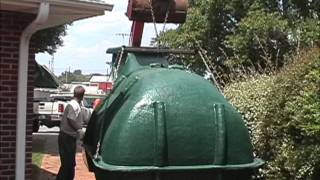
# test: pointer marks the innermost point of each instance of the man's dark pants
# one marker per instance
(67, 151)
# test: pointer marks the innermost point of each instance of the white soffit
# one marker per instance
(61, 11)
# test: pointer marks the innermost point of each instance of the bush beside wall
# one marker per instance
(282, 112)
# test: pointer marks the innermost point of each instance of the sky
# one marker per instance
(87, 40)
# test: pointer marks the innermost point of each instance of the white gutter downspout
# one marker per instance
(36, 25)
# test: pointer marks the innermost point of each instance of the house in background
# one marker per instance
(103, 82)
(19, 20)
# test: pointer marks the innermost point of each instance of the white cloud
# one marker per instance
(89, 59)
(87, 40)
(114, 21)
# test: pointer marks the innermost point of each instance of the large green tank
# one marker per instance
(163, 122)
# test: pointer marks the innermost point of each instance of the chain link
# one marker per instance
(116, 74)
(96, 155)
(166, 18)
(153, 19)
(205, 59)
(119, 61)
(155, 23)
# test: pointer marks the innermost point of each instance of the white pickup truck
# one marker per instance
(49, 111)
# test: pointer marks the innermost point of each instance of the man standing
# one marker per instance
(70, 131)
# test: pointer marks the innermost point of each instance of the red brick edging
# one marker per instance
(51, 164)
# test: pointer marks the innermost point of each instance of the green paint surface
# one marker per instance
(163, 118)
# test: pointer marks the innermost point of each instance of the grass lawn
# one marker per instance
(37, 159)
(37, 155)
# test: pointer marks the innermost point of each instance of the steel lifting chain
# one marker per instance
(116, 73)
(119, 61)
(114, 70)
(96, 155)
(166, 18)
(202, 53)
(154, 20)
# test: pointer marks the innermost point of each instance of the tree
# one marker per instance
(282, 111)
(208, 24)
(75, 76)
(77, 72)
(260, 40)
(246, 32)
(48, 40)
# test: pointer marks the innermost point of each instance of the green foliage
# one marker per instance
(37, 156)
(246, 34)
(77, 72)
(193, 30)
(261, 40)
(282, 112)
(48, 40)
(75, 76)
(307, 32)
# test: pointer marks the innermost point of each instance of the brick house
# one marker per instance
(19, 19)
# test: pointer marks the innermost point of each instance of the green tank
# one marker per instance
(163, 122)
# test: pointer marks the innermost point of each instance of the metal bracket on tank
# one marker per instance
(176, 66)
(220, 134)
(130, 84)
(161, 145)
(118, 82)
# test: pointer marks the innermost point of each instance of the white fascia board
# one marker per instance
(90, 5)
(61, 11)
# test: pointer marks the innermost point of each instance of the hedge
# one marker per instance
(282, 112)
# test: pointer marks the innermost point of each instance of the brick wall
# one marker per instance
(11, 27)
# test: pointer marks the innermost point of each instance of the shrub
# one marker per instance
(282, 112)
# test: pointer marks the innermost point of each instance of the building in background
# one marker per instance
(103, 82)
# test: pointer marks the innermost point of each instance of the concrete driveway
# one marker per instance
(48, 137)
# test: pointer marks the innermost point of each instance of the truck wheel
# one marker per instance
(36, 126)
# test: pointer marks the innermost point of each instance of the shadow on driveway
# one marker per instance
(49, 143)
(41, 174)
(46, 143)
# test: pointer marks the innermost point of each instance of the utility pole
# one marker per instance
(52, 63)
(66, 76)
(108, 67)
(67, 72)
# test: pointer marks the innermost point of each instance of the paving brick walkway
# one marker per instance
(51, 160)
(51, 164)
